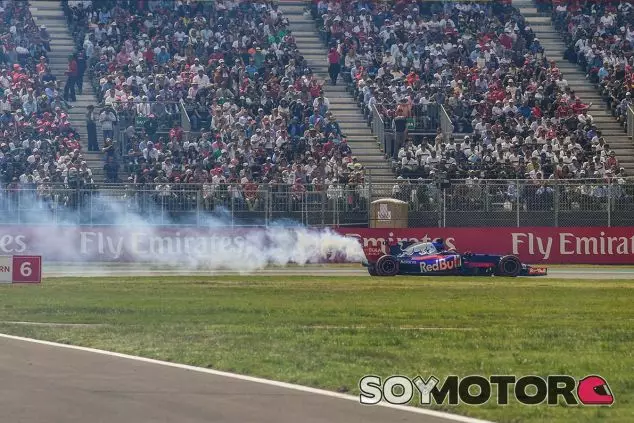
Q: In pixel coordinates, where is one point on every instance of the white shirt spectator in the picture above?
(153, 153)
(411, 162)
(202, 81)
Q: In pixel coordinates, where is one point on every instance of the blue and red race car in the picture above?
(431, 259)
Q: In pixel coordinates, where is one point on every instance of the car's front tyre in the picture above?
(509, 266)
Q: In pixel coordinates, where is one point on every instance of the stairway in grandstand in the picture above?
(362, 142)
(554, 48)
(50, 13)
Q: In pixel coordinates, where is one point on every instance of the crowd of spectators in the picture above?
(39, 149)
(600, 39)
(256, 111)
(217, 94)
(486, 67)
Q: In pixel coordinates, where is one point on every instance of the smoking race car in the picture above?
(432, 259)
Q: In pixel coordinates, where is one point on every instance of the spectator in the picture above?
(111, 170)
(45, 38)
(107, 118)
(334, 65)
(91, 128)
(108, 149)
(71, 79)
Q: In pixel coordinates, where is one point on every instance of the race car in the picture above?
(432, 259)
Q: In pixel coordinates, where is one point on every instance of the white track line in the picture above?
(415, 410)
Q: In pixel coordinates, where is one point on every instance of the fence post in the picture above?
(163, 210)
(199, 204)
(441, 205)
(336, 208)
(79, 204)
(444, 208)
(517, 200)
(323, 208)
(610, 205)
(18, 206)
(556, 202)
(305, 208)
(266, 206)
(232, 205)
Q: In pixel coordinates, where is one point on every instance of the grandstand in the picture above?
(253, 120)
(555, 45)
(354, 124)
(51, 15)
(471, 34)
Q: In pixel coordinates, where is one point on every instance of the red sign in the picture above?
(27, 269)
(534, 245)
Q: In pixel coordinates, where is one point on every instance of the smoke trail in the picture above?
(131, 236)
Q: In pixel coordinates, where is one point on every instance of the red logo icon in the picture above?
(594, 390)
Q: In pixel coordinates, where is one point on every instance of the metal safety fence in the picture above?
(166, 204)
(430, 203)
(514, 203)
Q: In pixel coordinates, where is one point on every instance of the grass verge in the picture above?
(328, 332)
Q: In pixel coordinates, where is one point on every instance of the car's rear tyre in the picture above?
(509, 266)
(387, 266)
(372, 270)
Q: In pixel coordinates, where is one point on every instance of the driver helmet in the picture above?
(439, 243)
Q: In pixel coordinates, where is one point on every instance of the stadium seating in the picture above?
(600, 39)
(487, 68)
(256, 111)
(39, 150)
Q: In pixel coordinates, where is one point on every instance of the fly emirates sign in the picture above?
(569, 244)
(533, 245)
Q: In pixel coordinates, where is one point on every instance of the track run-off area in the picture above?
(60, 383)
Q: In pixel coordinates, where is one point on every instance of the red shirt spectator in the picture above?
(334, 56)
(72, 67)
(578, 107)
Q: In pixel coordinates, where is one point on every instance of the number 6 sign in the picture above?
(27, 269)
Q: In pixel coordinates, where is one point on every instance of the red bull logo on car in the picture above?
(441, 264)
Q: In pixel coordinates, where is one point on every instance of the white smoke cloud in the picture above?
(131, 236)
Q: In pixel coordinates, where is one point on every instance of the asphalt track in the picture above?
(54, 383)
(45, 382)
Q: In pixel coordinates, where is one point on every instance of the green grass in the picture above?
(328, 332)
